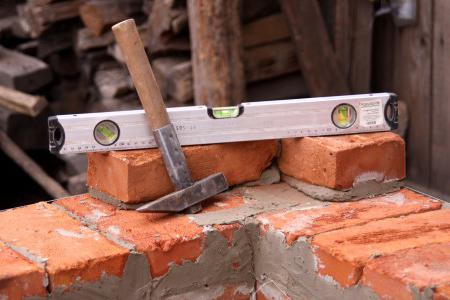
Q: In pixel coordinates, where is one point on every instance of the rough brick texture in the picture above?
(404, 273)
(70, 251)
(305, 223)
(343, 253)
(140, 175)
(395, 246)
(19, 277)
(339, 162)
(165, 239)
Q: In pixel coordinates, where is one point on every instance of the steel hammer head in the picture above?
(195, 193)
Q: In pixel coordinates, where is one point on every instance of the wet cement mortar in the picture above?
(280, 270)
(360, 190)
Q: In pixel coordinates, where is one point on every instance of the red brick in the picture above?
(139, 175)
(442, 292)
(164, 238)
(393, 276)
(19, 277)
(338, 162)
(305, 223)
(343, 253)
(69, 249)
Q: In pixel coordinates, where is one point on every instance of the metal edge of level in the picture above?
(57, 132)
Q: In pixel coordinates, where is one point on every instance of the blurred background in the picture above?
(60, 57)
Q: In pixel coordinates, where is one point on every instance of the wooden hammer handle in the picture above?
(130, 43)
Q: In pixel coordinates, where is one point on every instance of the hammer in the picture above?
(188, 194)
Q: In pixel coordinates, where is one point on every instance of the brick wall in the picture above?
(265, 242)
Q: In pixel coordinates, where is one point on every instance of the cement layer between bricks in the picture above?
(360, 190)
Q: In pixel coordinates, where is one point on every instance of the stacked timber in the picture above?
(60, 56)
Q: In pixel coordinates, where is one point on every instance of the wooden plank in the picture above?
(26, 131)
(256, 9)
(174, 76)
(216, 52)
(37, 18)
(131, 7)
(440, 133)
(21, 102)
(166, 22)
(174, 73)
(22, 72)
(51, 186)
(86, 41)
(361, 46)
(283, 87)
(271, 60)
(315, 53)
(100, 15)
(112, 81)
(265, 30)
(412, 82)
(40, 2)
(342, 34)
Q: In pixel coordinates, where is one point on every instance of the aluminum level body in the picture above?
(196, 125)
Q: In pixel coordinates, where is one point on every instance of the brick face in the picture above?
(19, 277)
(70, 250)
(165, 239)
(338, 162)
(305, 223)
(442, 292)
(393, 245)
(421, 267)
(139, 175)
(343, 253)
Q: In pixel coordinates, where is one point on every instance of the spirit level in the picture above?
(197, 125)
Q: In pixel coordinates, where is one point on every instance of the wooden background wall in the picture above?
(414, 62)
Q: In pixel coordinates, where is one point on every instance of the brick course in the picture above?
(343, 253)
(347, 239)
(306, 223)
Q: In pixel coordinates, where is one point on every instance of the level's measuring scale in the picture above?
(248, 121)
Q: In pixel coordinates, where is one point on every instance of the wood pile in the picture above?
(220, 53)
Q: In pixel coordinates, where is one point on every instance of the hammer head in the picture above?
(187, 197)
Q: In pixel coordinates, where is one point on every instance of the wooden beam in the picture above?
(318, 62)
(53, 188)
(342, 34)
(265, 30)
(21, 102)
(22, 72)
(112, 82)
(216, 52)
(166, 22)
(403, 65)
(86, 41)
(283, 87)
(174, 76)
(37, 18)
(270, 60)
(361, 46)
(100, 15)
(174, 73)
(440, 107)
